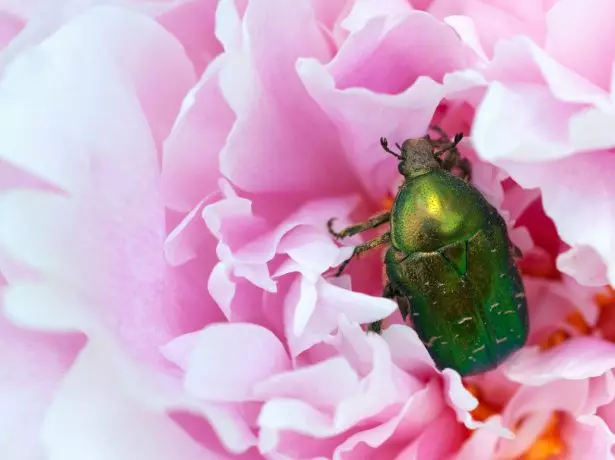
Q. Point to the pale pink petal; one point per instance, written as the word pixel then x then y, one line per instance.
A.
pixel 589 437
pixel 420 410
pixel 601 392
pixel 590 21
pixel 102 250
pixel 578 358
pixel 584 264
pixel 394 82
pixel 363 11
pixel 105 409
pixel 32 367
pixel 496 20
pixel 267 141
pixel 190 167
pixel 222 368
pixel 372 391
pixel 192 22
pixel 10 26
pixel 463 402
pixel 407 350
pixel 481 445
pixel 306 384
pixel 432 444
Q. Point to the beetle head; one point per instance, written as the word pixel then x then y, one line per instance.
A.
pixel 416 156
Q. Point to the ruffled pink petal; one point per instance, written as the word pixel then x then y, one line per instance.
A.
pixel 589 437
pixel 496 20
pixel 33 365
pixel 192 22
pixel 378 72
pixel 10 26
pixel 357 390
pixel 101 253
pixel 384 440
pixel 431 444
pixel 107 408
pixel 590 21
pixel 577 358
pixel 190 167
pixel 272 146
pixel 212 359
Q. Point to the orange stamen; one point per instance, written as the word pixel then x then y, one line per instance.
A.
pixel 577 321
pixel 549 444
pixel 605 299
pixel 555 339
pixel 387 202
pixel 483 411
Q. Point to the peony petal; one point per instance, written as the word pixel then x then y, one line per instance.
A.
pixel 223 369
pixel 577 358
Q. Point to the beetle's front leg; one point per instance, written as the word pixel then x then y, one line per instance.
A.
pixel 466 169
pixel 371 244
pixel 359 228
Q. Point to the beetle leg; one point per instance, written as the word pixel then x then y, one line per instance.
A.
pixel 389 292
pixel 368 246
pixel 516 252
pixel 359 228
pixel 440 131
pixel 376 327
pixel 466 168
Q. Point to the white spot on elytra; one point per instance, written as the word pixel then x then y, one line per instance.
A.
pixel 502 340
pixel 432 340
pixel 521 295
pixel 476 350
pixel 463 320
pixel 509 312
pixel 493 306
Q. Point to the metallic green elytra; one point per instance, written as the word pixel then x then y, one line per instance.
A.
pixel 450 256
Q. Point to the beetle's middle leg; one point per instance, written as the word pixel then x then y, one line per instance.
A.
pixel 359 228
pixel 361 248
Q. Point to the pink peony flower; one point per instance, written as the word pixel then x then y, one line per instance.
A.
pixel 167 170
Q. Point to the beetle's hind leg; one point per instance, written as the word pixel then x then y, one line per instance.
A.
pixel 389 292
pixel 361 248
pixel 359 228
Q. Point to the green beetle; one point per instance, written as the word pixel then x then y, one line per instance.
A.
pixel 450 258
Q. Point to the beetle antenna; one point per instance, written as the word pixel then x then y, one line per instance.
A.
pixel 385 145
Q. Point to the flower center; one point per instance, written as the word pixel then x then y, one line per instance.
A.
pixel 606 321
pixel 547 446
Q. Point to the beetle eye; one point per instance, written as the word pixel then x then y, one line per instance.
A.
pixel 400 167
